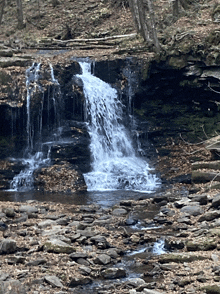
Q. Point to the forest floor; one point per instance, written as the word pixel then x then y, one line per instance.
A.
pixel 100 19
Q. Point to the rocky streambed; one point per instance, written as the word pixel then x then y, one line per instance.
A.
pixel 165 244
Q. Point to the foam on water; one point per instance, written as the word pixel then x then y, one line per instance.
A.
pixel 115 164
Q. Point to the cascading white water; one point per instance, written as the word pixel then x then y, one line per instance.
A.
pixel 33 159
pixel 115 164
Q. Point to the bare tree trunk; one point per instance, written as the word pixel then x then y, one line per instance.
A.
pixel 153 26
pixel 2 6
pixel 147 30
pixel 138 13
pixel 38 7
pixel 20 15
pixel 175 8
pixel 184 4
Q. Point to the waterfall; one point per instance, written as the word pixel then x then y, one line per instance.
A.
pixel 34 158
pixel 114 161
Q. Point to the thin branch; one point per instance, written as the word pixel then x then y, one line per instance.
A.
pixel 214 179
pixel 212 89
pixel 193 144
pixel 202 126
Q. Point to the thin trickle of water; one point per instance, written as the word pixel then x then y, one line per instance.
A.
pixel 35 159
pixel 115 164
pixel 32 76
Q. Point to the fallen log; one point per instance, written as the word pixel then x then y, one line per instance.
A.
pixel 97 39
pixel 206 164
pixel 204 177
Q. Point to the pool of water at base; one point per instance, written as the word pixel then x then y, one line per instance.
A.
pixel 104 198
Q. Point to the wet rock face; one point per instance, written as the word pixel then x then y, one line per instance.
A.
pixel 181 95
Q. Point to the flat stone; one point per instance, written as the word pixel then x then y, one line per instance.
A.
pixel 192 210
pixel 112 253
pixel 202 199
pixel 46 223
pixel 16 259
pixel 85 270
pixel 98 239
pixel 209 216
pixel 58 246
pixel 119 211
pixel 63 221
pixel 136 282
pixel 61 238
pixel 87 233
pixel 76 255
pixel 113 273
pixel 216 201
pixel 180 258
pixel 103 259
pixel 79 282
pixel 28 209
pixel 149 291
pixel 53 281
pixel 181 203
pixel 36 262
pixel 55 230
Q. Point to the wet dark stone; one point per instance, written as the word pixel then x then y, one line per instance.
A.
pixel 36 262
pixel 216 201
pixel 202 199
pixel 77 255
pixel 113 273
pixel 79 282
pixel 184 179
pixel 159 199
pixel 131 221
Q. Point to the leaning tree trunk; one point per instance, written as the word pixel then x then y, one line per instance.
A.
pixel 2 5
pixel 20 14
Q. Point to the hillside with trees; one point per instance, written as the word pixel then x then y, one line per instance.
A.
pixel 162 26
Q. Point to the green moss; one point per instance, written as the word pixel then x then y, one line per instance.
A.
pixel 179 258
pixel 50 247
pixel 5 78
pixel 205 245
pixel 211 289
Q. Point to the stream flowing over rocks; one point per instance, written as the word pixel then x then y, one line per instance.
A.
pixel 165 244
pixel 125 243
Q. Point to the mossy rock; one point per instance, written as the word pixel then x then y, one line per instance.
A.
pixel 211 289
pixel 6 53
pixel 5 78
pixel 57 246
pixel 213 38
pixel 215 231
pixel 179 258
pixel 201 245
pixel 177 62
